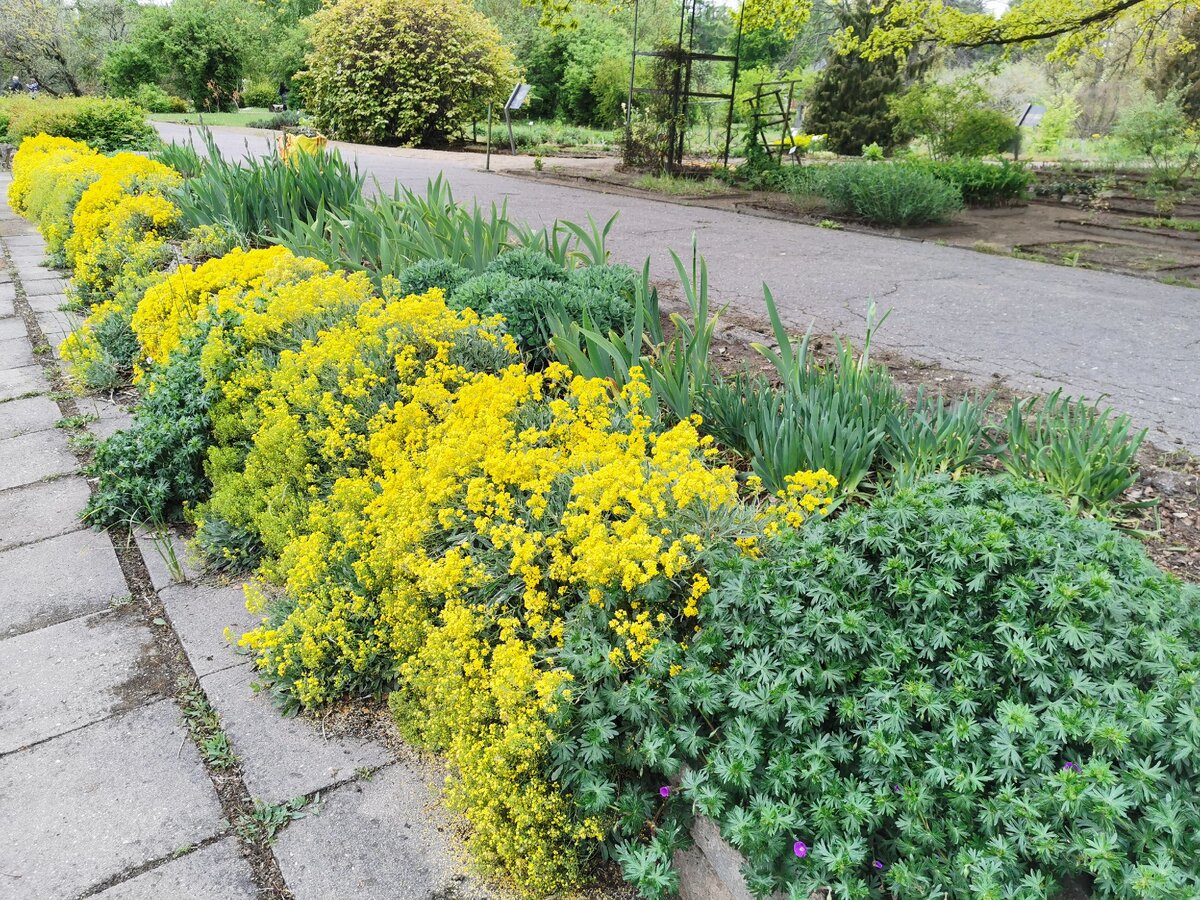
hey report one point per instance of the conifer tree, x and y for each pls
(850, 100)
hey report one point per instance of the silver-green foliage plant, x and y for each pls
(958, 690)
(886, 193)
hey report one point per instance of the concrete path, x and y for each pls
(1035, 325)
(118, 693)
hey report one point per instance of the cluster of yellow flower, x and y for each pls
(430, 512)
(108, 219)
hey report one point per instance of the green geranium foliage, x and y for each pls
(960, 690)
(146, 472)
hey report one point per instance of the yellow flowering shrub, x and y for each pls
(132, 251)
(311, 414)
(488, 508)
(122, 178)
(35, 161)
(169, 310)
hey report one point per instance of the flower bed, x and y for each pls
(457, 492)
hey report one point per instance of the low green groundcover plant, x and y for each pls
(958, 690)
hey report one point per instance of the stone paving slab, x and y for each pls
(25, 416)
(32, 457)
(12, 328)
(215, 872)
(41, 510)
(45, 287)
(60, 678)
(84, 807)
(58, 579)
(16, 352)
(200, 614)
(376, 839)
(6, 304)
(282, 758)
(8, 290)
(41, 303)
(156, 550)
(22, 381)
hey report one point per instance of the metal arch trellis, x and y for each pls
(680, 94)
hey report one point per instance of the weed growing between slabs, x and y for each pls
(617, 589)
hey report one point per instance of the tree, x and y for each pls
(403, 71)
(955, 118)
(1179, 72)
(200, 49)
(850, 103)
(37, 40)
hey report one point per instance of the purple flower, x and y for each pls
(1070, 767)
(878, 864)
(800, 849)
(664, 791)
(895, 789)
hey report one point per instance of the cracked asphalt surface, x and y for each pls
(1037, 326)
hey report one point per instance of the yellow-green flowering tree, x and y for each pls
(403, 71)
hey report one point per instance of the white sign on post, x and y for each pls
(515, 101)
(1032, 117)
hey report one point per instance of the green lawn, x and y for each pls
(242, 117)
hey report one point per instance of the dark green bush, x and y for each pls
(431, 273)
(961, 690)
(888, 193)
(600, 296)
(147, 471)
(981, 132)
(104, 124)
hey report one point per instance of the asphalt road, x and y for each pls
(1037, 326)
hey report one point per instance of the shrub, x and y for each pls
(152, 98)
(260, 94)
(1161, 131)
(981, 183)
(525, 264)
(892, 194)
(955, 119)
(959, 690)
(104, 124)
(481, 291)
(598, 298)
(432, 273)
(403, 71)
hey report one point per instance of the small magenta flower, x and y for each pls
(1070, 767)
(878, 864)
(664, 791)
(800, 849)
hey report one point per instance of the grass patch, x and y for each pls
(243, 117)
(1192, 225)
(680, 187)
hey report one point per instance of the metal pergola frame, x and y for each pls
(681, 94)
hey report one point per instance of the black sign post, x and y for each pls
(1030, 118)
